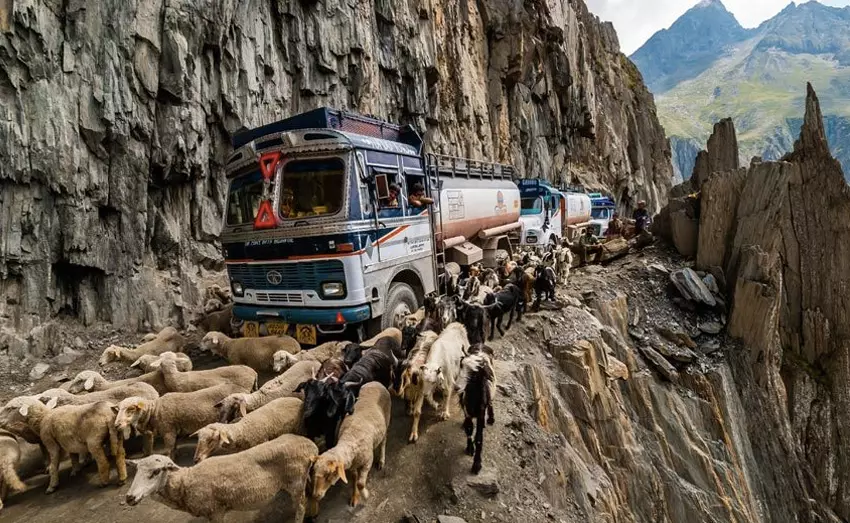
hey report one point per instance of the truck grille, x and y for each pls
(285, 298)
(292, 276)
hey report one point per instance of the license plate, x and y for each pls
(305, 334)
(251, 329)
(277, 328)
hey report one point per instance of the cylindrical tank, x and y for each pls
(469, 206)
(578, 208)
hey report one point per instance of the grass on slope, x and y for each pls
(760, 90)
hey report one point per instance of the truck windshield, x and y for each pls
(532, 205)
(601, 213)
(312, 188)
(243, 199)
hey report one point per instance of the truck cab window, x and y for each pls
(532, 205)
(312, 188)
(243, 199)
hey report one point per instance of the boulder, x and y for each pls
(38, 371)
(711, 327)
(660, 363)
(691, 287)
(485, 483)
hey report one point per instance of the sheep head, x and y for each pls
(86, 381)
(326, 472)
(232, 407)
(151, 476)
(53, 396)
(149, 337)
(283, 360)
(13, 416)
(110, 354)
(213, 341)
(133, 413)
(210, 439)
(432, 375)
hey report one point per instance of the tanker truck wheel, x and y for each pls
(401, 301)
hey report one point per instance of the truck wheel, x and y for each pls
(401, 301)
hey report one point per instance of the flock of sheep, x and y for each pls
(255, 442)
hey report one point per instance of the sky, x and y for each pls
(637, 20)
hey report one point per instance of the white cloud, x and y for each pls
(637, 20)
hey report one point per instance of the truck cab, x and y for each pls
(542, 211)
(602, 210)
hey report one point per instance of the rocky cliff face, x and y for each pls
(115, 118)
(777, 231)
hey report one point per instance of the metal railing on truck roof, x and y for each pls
(454, 167)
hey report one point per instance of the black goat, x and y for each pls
(545, 280)
(408, 338)
(506, 301)
(474, 318)
(475, 387)
(325, 406)
(375, 365)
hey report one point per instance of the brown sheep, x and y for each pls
(171, 416)
(10, 457)
(257, 353)
(360, 435)
(176, 381)
(168, 339)
(75, 430)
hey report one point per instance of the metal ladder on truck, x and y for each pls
(432, 173)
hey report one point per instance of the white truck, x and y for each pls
(549, 215)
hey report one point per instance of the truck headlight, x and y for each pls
(333, 289)
(238, 289)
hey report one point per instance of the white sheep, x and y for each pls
(563, 263)
(150, 362)
(412, 384)
(112, 395)
(276, 418)
(443, 365)
(257, 353)
(168, 339)
(360, 436)
(170, 416)
(283, 360)
(176, 381)
(10, 457)
(220, 484)
(412, 320)
(240, 404)
(75, 430)
(91, 381)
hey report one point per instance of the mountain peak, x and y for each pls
(717, 4)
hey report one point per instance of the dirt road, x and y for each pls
(421, 480)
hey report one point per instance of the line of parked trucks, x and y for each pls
(325, 234)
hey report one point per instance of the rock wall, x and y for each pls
(115, 118)
(779, 232)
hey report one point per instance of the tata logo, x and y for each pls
(274, 277)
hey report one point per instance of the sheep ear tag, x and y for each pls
(89, 384)
(24, 410)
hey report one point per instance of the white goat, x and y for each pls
(443, 366)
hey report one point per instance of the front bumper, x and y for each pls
(357, 314)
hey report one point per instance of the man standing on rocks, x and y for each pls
(641, 218)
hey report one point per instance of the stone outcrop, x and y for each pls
(779, 231)
(115, 119)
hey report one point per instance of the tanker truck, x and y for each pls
(322, 234)
(550, 215)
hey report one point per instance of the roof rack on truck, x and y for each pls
(327, 118)
(465, 168)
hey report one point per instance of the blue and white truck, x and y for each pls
(322, 237)
(549, 214)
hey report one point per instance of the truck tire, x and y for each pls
(401, 301)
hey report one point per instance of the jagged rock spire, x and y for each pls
(721, 153)
(812, 135)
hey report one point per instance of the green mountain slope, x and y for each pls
(760, 82)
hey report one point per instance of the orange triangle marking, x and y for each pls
(340, 318)
(265, 216)
(268, 163)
